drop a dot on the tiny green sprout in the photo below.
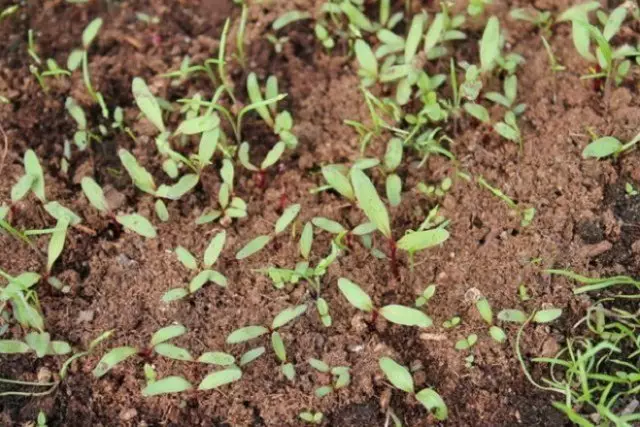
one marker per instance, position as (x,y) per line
(484,308)
(18,292)
(512,316)
(509,129)
(523,293)
(8,11)
(466,343)
(81,57)
(31,181)
(231,206)
(217,379)
(147,19)
(393,159)
(541,19)
(341,377)
(437,191)
(400,377)
(157,345)
(630,190)
(283,318)
(338,181)
(311,417)
(41,421)
(476,7)
(258,243)
(451,323)
(289,18)
(323,35)
(168,385)
(368,63)
(426,295)
(39,343)
(526,214)
(271,159)
(608,146)
(356,17)
(211,255)
(507,100)
(398,314)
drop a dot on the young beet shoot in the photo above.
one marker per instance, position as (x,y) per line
(375,210)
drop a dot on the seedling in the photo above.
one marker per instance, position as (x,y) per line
(231,206)
(258,243)
(541,19)
(466,343)
(451,323)
(608,146)
(340,377)
(289,18)
(526,214)
(392,159)
(323,35)
(23,300)
(31,181)
(484,308)
(509,98)
(248,333)
(134,222)
(311,417)
(400,377)
(211,255)
(398,314)
(39,343)
(437,191)
(312,275)
(630,189)
(509,129)
(147,19)
(157,345)
(408,69)
(81,57)
(277,42)
(426,295)
(432,142)
(271,158)
(283,122)
(610,62)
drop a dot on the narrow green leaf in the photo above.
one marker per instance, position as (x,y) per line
(338,181)
(255,96)
(355,295)
(138,224)
(251,355)
(198,125)
(167,333)
(326,224)
(435,31)
(273,155)
(161,210)
(112,358)
(290,213)
(546,316)
(287,315)
(180,188)
(393,155)
(398,375)
(319,365)
(174,295)
(13,347)
(32,167)
(147,103)
(173,384)
(419,240)
(393,186)
(370,202)
(186,258)
(61,213)
(217,358)
(289,18)
(140,176)
(490,44)
(253,247)
(173,352)
(208,145)
(199,281)
(220,378)
(278,346)
(511,315)
(56,243)
(407,316)
(414,37)
(39,342)
(93,192)
(245,334)
(22,187)
(477,111)
(306,240)
(484,308)
(366,58)
(90,32)
(214,249)
(602,147)
(431,400)
(497,334)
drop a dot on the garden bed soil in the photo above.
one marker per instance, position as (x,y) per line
(117,279)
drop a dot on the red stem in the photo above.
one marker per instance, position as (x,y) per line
(393,249)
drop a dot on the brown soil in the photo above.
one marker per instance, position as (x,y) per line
(119,278)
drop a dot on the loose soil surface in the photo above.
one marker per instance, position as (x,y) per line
(584,222)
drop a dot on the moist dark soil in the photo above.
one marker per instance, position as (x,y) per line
(585,221)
